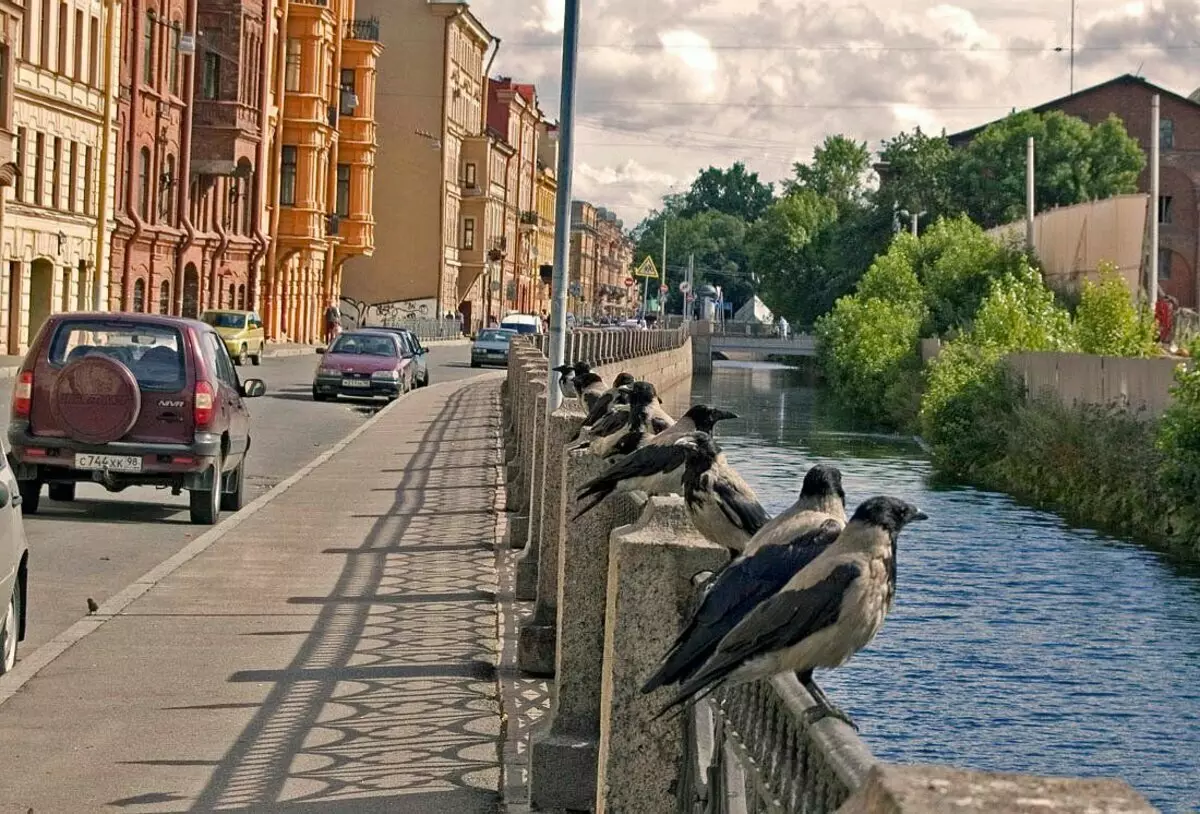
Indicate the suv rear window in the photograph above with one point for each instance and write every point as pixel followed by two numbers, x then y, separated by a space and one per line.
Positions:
pixel 151 352
pixel 217 319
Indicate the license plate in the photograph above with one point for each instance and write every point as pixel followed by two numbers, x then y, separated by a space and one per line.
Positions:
pixel 496 352
pixel 112 463
pixel 356 383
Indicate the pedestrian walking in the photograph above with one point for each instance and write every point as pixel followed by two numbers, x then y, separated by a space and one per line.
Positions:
pixel 333 319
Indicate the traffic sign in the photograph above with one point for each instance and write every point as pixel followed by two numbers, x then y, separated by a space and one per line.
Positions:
pixel 629 282
pixel 684 287
pixel 646 269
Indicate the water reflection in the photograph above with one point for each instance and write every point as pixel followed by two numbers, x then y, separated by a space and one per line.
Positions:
pixel 1017 643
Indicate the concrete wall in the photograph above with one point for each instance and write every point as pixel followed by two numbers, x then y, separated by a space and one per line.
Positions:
pixel 1080 378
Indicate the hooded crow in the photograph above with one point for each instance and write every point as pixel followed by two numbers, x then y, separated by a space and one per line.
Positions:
pixel 821 498
pixel 827 612
pixel 645 396
pixel 735 591
pixel 720 504
pixel 615 395
pixel 590 387
pixel 656 468
pixel 567 375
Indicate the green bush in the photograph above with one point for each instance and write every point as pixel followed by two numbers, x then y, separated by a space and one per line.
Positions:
pixel 1109 324
pixel 1178 442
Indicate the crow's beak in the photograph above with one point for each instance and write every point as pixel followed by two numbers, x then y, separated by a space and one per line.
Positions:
pixel 920 515
pixel 626 389
pixel 724 415
pixel 563 369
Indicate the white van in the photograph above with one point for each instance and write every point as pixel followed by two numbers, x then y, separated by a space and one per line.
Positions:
pixel 523 323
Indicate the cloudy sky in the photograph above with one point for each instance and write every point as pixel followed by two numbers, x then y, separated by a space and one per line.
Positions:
pixel 668 87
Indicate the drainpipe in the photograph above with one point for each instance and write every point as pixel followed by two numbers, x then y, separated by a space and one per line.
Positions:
pixel 335 141
pixel 183 199
pixel 276 314
pixel 486 71
pixel 111 8
pixel 261 243
pixel 135 94
pixel 441 278
pixel 222 244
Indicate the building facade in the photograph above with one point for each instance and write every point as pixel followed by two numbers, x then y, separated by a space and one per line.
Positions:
pixel 547 200
pixel 513 113
pixel 581 293
pixel 434 156
pixel 1129 98
pixel 614 258
pixel 57 128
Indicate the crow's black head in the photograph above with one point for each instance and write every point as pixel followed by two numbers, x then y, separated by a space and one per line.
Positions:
pixel 642 394
pixel 562 369
pixel 706 417
pixel 889 513
pixel 582 368
pixel 623 379
pixel 587 379
pixel 823 481
pixel 701 449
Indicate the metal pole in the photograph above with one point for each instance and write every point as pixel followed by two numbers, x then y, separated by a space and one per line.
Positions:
pixel 1030 203
pixel 915 219
pixel 1072 47
pixel 562 204
pixel 663 310
pixel 1155 145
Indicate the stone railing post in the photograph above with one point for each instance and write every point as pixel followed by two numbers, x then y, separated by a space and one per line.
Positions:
pixel 522 464
pixel 537 637
pixel 512 433
pixel 650 594
pixel 892 789
pixel 527 562
pixel 563 753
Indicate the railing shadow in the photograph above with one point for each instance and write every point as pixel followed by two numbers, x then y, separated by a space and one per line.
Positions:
pixel 389 703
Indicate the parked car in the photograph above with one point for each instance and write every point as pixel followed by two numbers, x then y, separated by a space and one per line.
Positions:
pixel 491 347
pixel 131 400
pixel 523 323
pixel 14 568
pixel 363 363
pixel 242 332
pixel 414 350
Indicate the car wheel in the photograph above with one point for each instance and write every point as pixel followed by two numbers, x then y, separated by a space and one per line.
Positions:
pixel 319 396
pixel 31 495
pixel 243 355
pixel 425 378
pixel 256 358
pixel 476 364
pixel 10 630
pixel 233 500
pixel 205 504
pixel 62 492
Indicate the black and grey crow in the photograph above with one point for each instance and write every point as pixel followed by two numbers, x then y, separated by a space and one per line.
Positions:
pixel 822 616
pixel 656 465
pixel 617 394
pixel 590 386
pixel 821 498
pixel 720 504
pixel 735 591
pixel 645 397
pixel 567 376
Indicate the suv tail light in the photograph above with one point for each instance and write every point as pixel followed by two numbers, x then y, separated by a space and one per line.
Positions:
pixel 203 404
pixel 23 394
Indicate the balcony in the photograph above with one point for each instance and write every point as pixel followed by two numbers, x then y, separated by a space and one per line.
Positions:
pixel 529 221
pixel 308 108
pixel 228 133
pixel 332 225
pixel 357 237
pixel 470 190
pixel 363 29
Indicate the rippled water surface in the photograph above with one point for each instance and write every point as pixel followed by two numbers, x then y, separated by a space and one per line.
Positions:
pixel 1017 643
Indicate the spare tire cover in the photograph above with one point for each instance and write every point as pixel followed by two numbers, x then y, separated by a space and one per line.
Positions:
pixel 96 399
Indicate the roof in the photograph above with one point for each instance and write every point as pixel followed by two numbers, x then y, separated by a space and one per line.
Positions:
pixel 1054 104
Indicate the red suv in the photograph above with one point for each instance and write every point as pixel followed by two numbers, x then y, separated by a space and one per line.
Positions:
pixel 131 400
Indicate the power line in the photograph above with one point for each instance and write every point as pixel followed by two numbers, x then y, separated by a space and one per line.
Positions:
pixel 844 48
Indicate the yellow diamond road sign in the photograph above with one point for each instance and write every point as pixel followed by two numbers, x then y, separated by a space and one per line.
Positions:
pixel 646 269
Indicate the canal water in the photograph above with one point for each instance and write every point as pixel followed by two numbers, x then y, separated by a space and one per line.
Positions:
pixel 1017 642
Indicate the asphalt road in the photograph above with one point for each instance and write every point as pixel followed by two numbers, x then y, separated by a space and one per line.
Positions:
pixel 102 542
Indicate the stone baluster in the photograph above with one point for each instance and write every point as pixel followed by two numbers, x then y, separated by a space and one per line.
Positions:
pixel 537 637
pixel 518 527
pixel 650 595
pixel 563 753
pixel 512 441
pixel 527 562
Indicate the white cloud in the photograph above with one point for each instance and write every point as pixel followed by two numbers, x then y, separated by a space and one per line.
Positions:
pixel 666 89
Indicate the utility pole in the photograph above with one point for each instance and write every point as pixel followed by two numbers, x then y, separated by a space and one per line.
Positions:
pixel 1155 148
pixel 916 218
pixel 1029 194
pixel 562 205
pixel 662 310
pixel 1072 55
pixel 691 292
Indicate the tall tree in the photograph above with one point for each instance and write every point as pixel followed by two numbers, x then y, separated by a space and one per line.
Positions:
pixel 733 192
pixel 838 171
pixel 786 253
pixel 920 176
pixel 716 240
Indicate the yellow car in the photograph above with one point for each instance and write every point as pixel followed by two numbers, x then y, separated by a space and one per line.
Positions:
pixel 242 331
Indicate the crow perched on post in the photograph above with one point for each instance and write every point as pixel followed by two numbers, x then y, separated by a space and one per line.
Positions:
pixel 567 376
pixel 655 468
pixel 720 504
pixel 617 394
pixel 821 498
pixel 821 617
pixel 590 387
pixel 644 396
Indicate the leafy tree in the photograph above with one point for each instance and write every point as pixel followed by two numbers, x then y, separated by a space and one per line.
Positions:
pixel 1107 321
pixel 920 175
pixel 1074 162
pixel 786 254
pixel 716 239
pixel 733 192
pixel 838 171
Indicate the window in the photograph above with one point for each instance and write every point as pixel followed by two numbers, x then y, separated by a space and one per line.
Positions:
pixel 65 290
pixel 148 49
pixel 348 102
pixel 232 295
pixel 143 201
pixel 218 357
pixel 468 237
pixel 287 176
pixel 291 72
pixel 39 168
pixel 168 189
pixel 94 53
pixel 139 296
pixel 164 297
pixel 73 177
pixel 1164 264
pixel 77 66
pixel 1164 209
pixel 241 302
pixel 22 147
pixel 87 181
pixel 212 76
pixel 1166 134
pixel 343 191
pixel 56 174
pixel 44 51
pixel 173 60
pixel 64 17
pixel 470 174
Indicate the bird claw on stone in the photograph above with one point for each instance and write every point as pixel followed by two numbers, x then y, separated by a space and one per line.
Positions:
pixel 820 712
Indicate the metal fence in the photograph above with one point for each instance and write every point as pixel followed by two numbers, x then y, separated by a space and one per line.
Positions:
pixel 426 329
pixel 751 751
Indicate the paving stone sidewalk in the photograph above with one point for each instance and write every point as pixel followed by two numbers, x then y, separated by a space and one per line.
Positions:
pixel 333 653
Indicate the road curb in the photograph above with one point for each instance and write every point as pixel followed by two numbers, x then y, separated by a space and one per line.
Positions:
pixel 31 665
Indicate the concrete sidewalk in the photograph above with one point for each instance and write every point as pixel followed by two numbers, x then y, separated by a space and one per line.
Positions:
pixel 332 649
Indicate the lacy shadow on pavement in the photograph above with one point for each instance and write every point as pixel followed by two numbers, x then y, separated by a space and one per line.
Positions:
pixel 390 702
